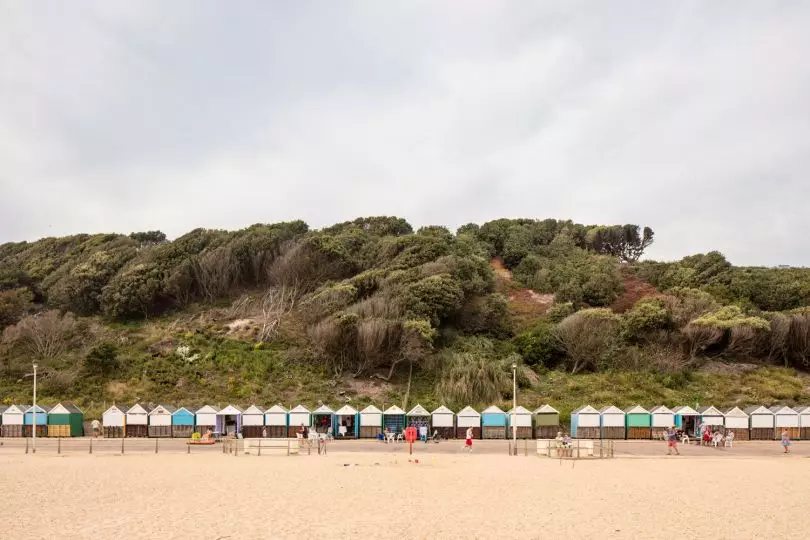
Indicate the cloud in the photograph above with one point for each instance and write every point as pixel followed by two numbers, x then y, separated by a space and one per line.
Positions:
pixel 688 117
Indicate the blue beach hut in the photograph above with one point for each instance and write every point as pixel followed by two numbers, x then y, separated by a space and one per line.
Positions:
pixel 182 422
pixel 41 421
pixel 493 423
pixel 347 423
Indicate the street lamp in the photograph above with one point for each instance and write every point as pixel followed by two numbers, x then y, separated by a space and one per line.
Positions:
pixel 514 406
pixel 34 426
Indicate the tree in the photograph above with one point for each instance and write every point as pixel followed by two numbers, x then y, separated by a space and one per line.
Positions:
pixel 433 298
pixel 102 359
pixel 148 238
pixel 586 336
pixel 45 335
pixel 14 304
pixel 626 242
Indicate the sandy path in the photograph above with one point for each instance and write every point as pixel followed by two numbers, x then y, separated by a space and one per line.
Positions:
pixel 445 496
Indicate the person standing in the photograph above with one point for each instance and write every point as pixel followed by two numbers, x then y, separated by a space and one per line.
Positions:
pixel 786 441
pixel 672 441
pixel 468 440
pixel 96 425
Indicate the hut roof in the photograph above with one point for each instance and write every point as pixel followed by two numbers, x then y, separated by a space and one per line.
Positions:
pixel 757 409
pixel 17 408
pixel 585 409
pixel 163 409
pixel 468 411
pixel 323 409
pixel 3 408
pixel 206 409
pixel 520 410
pixel 442 410
pixel 393 410
pixel 802 409
pixel 139 408
pixel 119 408
pixel 736 412
pixel 371 409
pixel 276 409
pixel 685 410
pixel 783 409
pixel 636 409
pixel 710 411
pixel 299 409
pixel 65 407
pixel 230 410
pixel 611 409
pixel 546 409
pixel 182 409
pixel 254 409
pixel 30 409
pixel 346 410
pixel 493 409
pixel 418 411
pixel 661 409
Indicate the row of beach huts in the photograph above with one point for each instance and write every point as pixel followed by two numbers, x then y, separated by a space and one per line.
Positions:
pixel 587 422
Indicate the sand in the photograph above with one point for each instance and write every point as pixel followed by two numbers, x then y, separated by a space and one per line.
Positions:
pixel 381 495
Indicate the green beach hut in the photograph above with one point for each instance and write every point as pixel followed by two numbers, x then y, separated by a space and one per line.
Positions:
pixel 65 420
pixel 639 422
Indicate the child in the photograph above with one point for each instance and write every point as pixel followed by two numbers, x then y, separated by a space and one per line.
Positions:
pixel 786 441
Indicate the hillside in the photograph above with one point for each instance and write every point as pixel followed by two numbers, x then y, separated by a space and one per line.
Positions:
pixel 372 311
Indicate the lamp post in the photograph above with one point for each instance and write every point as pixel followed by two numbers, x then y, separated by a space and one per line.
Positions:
pixel 34 426
pixel 514 407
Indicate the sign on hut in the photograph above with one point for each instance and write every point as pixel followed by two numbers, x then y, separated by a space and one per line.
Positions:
pixel 347 420
pixel 638 422
pixel 137 419
pixel 205 419
pixel 12 421
pixel 229 420
pixel 38 417
pixel 520 418
pixel 113 422
pixel 419 417
pixel 160 421
pixel 687 419
pixel 275 420
pixel 804 421
pixel 298 416
pixel 493 423
pixel 546 422
pixel 65 420
pixel 253 422
pixel 394 419
pixel 661 419
pixel 761 423
pixel 613 421
pixel 370 422
pixel 736 421
pixel 785 418
pixel 585 423
pixel 711 416
pixel 468 418
pixel 443 421
pixel 323 419
pixel 182 423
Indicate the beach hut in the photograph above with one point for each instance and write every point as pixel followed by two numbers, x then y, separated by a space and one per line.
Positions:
pixel 661 419
pixel 347 422
pixel 205 419
pixel 298 416
pixel 785 418
pixel 419 417
pixel 760 423
pixel 493 423
pixel 323 419
pixel 546 422
pixel 253 422
pixel 65 420
pixel 613 422
pixel 804 421
pixel 182 422
pixel 736 420
pixel 12 421
pixel 468 418
pixel 229 420
pixel 137 420
pixel 370 422
pixel 35 415
pixel 114 421
pixel 160 421
pixel 2 410
pixel 711 416
pixel 394 419
pixel 638 422
pixel 443 420
pixel 585 423
pixel 687 419
pixel 520 418
pixel 275 421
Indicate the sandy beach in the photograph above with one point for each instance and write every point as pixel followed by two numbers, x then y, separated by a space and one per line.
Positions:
pixel 380 494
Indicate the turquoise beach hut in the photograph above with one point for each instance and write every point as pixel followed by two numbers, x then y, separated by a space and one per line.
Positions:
pixel 687 419
pixel 493 423
pixel 41 421
pixel 182 422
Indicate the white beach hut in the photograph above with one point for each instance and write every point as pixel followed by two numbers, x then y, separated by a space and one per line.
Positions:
pixel 347 422
pixel 229 420
pixel 12 421
pixel 444 422
pixel 160 421
pixel 761 423
pixel 205 419
pixel 468 418
pixel 298 415
pixel 138 420
pixel 735 420
pixel 585 423
pixel 661 419
pixel 711 416
pixel 687 419
pixel 275 420
pixel 114 421
pixel 521 418
pixel 613 422
pixel 370 422
pixel 804 421
pixel 785 418
pixel 253 422
pixel 323 419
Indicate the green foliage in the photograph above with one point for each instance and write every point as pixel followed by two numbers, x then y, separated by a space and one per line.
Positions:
pixel 626 242
pixel 488 315
pixel 14 303
pixel 731 317
pixel 559 311
pixel 433 298
pixel 539 346
pixel 148 237
pixel 101 359
pixel 648 316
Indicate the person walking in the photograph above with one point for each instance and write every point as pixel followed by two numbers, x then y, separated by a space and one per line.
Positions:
pixel 786 441
pixel 672 441
pixel 468 440
pixel 96 426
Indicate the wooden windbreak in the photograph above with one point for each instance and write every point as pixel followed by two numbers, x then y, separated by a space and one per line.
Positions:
pixel 252 432
pixel 613 432
pixel 445 432
pixel 160 431
pixel 761 434
pixel 182 431
pixel 638 433
pixel 588 433
pixel 276 432
pixel 793 432
pixel 740 434
pixel 58 431
pixel 137 430
pixel 11 430
pixel 370 432
pixel 547 432
pixel 42 431
pixel 523 432
pixel 202 430
pixel 493 432
pixel 461 432
pixel 113 432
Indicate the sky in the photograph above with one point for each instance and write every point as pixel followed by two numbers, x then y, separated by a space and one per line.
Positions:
pixel 690 117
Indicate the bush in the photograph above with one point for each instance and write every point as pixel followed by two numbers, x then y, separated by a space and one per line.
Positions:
pixel 647 317
pixel 587 337
pixel 102 359
pixel 433 298
pixel 559 311
pixel 539 347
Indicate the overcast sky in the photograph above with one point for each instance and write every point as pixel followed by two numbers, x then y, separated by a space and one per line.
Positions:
pixel 690 117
